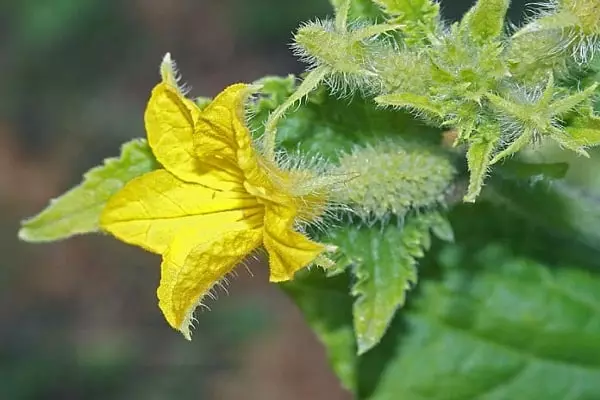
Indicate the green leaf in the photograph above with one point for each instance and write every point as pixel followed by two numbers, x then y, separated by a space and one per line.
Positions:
pixel 478 160
pixel 385 265
pixel 498 327
pixel 78 210
pixel 485 21
pixel 488 325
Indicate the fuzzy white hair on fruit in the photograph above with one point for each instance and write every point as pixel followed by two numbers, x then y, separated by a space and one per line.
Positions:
pixel 394 178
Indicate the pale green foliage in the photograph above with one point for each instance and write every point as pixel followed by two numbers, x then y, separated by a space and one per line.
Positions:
pixel 384 262
pixel 78 210
pixel 393 178
pixel 492 89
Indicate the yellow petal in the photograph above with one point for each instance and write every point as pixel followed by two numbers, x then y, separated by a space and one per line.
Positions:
pixel 150 210
pixel 195 261
pixel 170 121
pixel 221 133
pixel 288 250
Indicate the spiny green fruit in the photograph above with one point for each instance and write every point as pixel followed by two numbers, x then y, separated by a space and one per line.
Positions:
pixel 393 178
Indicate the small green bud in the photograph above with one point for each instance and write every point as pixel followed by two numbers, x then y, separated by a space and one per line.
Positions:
pixel 347 53
pixel 485 20
pixel 318 43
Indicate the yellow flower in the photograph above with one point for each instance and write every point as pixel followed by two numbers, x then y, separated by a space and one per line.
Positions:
pixel 216 201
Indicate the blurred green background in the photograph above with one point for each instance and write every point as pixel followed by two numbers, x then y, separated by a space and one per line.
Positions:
pixel 79 319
